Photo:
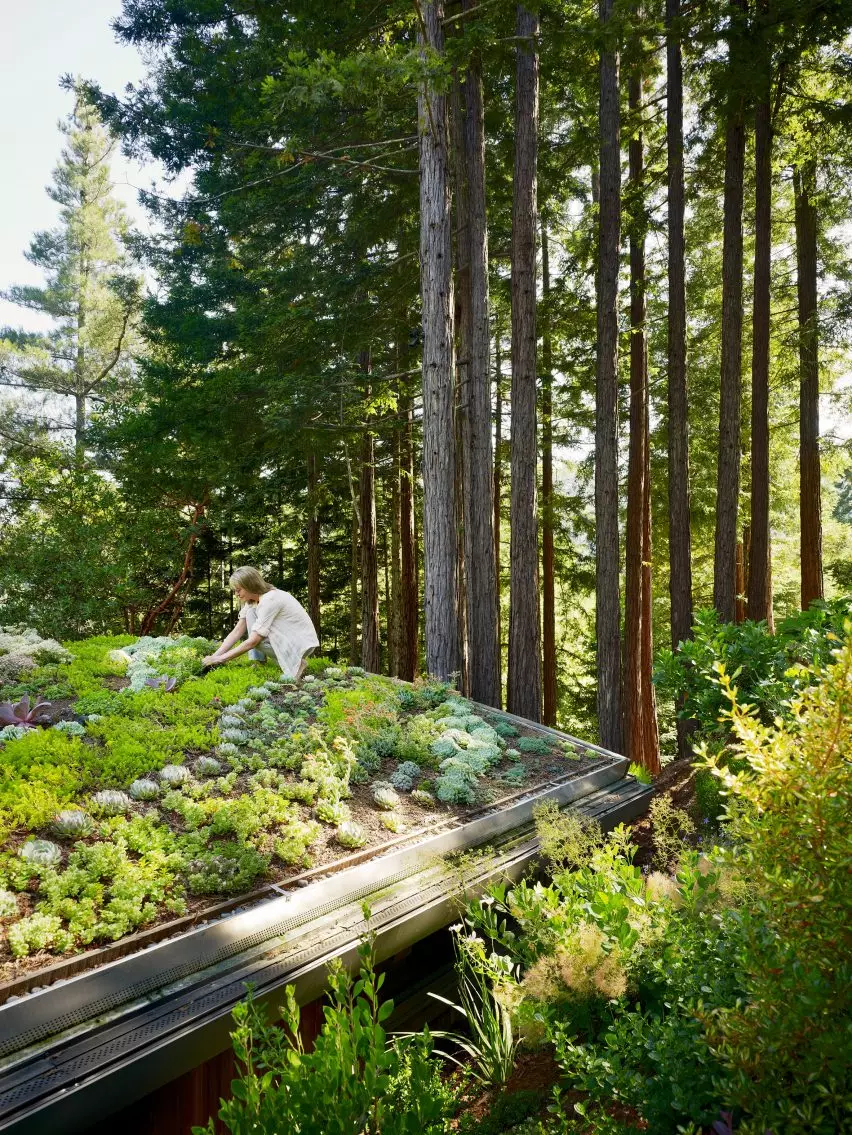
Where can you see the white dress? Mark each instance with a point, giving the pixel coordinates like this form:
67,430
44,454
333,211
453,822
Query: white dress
286,627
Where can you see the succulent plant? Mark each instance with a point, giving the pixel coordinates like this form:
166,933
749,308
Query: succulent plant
505,729
258,693
235,736
384,795
144,789
162,681
111,803
351,835
12,732
331,812
41,853
230,720
333,672
534,745
393,822
8,905
72,823
405,775
22,713
423,798
174,774
207,766
70,728
227,749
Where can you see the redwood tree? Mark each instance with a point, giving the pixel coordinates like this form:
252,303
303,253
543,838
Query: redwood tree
608,608
524,689
728,468
810,502
436,287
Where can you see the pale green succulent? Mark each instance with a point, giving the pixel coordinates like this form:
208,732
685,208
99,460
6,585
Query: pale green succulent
207,766
144,789
109,802
41,853
8,905
72,823
174,774
70,728
384,795
332,811
351,835
423,798
393,822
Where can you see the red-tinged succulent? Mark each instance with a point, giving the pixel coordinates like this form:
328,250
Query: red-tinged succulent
162,682
22,713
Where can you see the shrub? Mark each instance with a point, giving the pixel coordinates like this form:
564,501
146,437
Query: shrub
353,1079
769,669
786,1044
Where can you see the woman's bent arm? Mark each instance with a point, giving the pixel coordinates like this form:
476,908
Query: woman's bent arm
235,636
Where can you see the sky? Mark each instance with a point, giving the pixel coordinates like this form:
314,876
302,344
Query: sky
41,41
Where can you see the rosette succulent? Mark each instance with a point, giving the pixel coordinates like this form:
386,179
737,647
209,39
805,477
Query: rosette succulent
23,714
144,789
8,905
71,823
405,775
207,766
423,798
384,795
332,811
351,835
393,822
70,728
174,774
41,853
110,802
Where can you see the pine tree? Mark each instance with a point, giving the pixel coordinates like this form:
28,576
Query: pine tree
90,293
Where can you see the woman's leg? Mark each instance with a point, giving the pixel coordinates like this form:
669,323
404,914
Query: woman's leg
258,655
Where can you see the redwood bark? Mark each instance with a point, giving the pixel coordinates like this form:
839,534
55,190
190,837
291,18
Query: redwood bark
548,569
370,641
640,704
314,547
680,536
759,592
436,283
408,582
394,616
524,687
741,583
480,576
354,572
608,598
810,502
498,486
680,540
728,470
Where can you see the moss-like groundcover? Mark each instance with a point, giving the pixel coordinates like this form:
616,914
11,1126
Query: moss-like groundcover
145,785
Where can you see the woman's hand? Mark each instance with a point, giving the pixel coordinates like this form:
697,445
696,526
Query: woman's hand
212,660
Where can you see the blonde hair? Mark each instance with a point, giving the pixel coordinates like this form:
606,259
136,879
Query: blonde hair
250,580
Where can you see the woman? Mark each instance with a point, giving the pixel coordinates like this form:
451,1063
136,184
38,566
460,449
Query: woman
277,626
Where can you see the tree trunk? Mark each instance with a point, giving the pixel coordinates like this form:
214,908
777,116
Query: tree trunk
355,571
524,689
394,618
314,549
740,615
608,599
636,487
641,733
480,578
728,470
650,726
680,537
759,594
370,643
498,486
547,503
680,549
810,503
409,600
436,284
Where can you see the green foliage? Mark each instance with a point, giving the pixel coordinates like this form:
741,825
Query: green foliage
353,1079
769,670
787,1042
671,827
